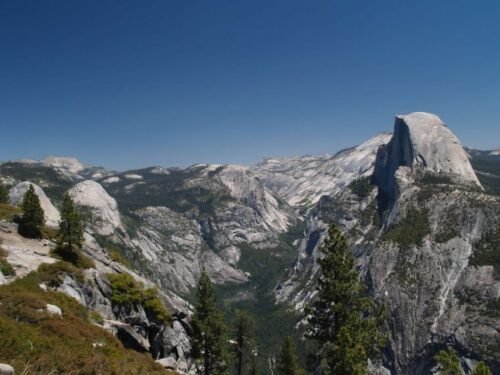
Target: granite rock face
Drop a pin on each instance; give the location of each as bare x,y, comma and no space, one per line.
104,209
419,239
16,195
421,141
302,181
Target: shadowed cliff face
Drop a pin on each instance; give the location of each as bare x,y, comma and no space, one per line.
421,142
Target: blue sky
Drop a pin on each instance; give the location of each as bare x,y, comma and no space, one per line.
126,84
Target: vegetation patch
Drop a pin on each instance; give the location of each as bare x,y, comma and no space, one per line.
487,251
449,226
493,307
74,256
272,321
8,212
35,342
127,292
411,230
116,256
5,267
362,187
429,178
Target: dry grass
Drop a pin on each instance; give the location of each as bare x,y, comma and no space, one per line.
37,343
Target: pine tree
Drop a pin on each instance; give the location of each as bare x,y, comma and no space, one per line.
449,363
481,369
243,331
4,195
70,227
209,332
287,361
254,367
32,221
344,321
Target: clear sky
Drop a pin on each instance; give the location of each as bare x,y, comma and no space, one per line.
126,84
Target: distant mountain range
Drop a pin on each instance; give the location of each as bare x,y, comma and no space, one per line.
420,212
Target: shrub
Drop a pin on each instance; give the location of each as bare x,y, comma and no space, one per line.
73,255
487,251
116,256
53,274
361,187
8,212
35,342
96,317
49,233
411,230
127,292
5,267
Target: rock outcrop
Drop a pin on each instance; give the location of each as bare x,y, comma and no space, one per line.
104,209
302,181
422,142
51,213
423,254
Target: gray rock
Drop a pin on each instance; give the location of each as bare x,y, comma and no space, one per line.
51,213
127,335
6,369
434,296
169,363
54,310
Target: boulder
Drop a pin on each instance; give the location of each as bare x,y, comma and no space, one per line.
16,195
169,363
54,310
127,335
6,369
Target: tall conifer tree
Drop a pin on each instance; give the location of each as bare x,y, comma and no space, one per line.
344,321
4,195
32,221
287,361
243,331
209,332
70,227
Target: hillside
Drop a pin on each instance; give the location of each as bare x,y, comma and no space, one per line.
421,214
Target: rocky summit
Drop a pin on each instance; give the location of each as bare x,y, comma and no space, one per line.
420,212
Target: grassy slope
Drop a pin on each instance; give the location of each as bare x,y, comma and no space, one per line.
37,343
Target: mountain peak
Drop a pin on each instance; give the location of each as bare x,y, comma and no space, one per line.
421,119
422,141
70,164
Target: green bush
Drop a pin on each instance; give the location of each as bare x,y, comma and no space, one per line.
127,292
8,212
411,230
74,256
5,267
362,187
154,306
487,251
116,256
53,274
